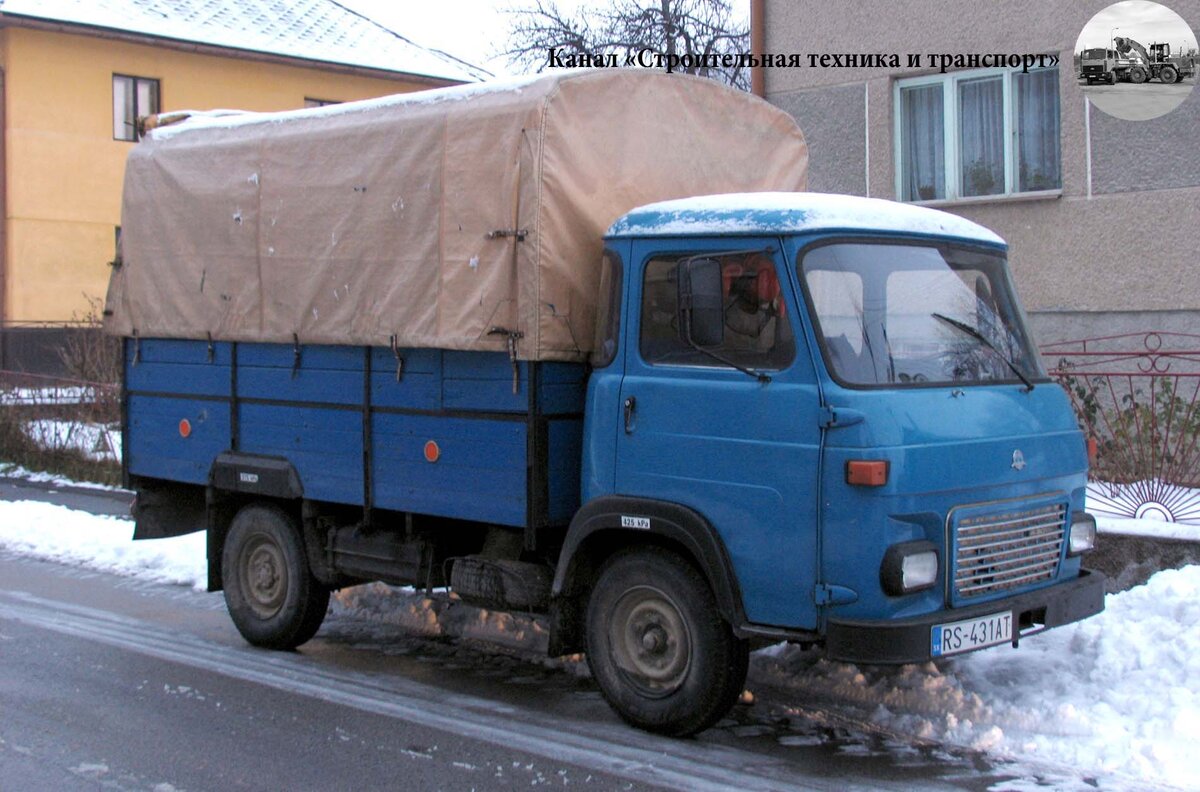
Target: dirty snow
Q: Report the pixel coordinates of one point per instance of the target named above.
(1115, 698)
(9, 470)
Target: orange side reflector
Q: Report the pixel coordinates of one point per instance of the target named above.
(867, 473)
(432, 452)
(185, 428)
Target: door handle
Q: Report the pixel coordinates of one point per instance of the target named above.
(630, 407)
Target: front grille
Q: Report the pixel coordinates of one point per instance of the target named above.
(1008, 548)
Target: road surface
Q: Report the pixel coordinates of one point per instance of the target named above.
(117, 683)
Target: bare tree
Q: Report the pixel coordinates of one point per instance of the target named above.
(698, 32)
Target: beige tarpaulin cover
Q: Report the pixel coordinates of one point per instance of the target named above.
(375, 221)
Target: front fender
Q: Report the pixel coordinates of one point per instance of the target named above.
(631, 519)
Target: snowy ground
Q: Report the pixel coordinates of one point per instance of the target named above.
(1117, 696)
(97, 441)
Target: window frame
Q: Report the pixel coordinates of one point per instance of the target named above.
(949, 83)
(703, 362)
(135, 81)
(818, 331)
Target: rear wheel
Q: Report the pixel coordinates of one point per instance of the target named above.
(270, 591)
(664, 658)
(1168, 75)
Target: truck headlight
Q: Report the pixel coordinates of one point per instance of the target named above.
(909, 567)
(1083, 534)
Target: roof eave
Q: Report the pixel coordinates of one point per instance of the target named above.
(8, 19)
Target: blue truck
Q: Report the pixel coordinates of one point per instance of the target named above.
(802, 417)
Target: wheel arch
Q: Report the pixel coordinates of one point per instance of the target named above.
(609, 524)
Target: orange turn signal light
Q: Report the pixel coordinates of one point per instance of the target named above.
(867, 473)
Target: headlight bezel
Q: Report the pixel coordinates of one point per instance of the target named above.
(909, 557)
(1083, 526)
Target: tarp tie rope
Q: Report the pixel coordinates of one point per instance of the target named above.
(513, 338)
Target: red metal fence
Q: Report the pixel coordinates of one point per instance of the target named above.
(1137, 397)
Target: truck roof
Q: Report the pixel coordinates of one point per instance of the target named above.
(792, 212)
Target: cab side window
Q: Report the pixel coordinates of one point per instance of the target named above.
(757, 333)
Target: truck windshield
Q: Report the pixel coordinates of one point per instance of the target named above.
(1095, 54)
(916, 314)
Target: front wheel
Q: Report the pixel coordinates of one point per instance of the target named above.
(664, 658)
(1138, 75)
(270, 591)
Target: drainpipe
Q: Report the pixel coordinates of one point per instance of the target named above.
(757, 75)
(3, 215)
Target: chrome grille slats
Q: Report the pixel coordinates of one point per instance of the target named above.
(1012, 546)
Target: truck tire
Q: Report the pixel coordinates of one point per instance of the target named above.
(663, 657)
(1168, 75)
(271, 594)
(1138, 75)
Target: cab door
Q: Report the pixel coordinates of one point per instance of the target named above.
(734, 434)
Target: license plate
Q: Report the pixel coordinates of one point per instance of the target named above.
(963, 636)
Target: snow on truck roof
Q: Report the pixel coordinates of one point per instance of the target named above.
(790, 212)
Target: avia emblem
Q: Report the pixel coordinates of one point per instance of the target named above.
(1018, 462)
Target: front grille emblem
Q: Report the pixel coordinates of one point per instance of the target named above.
(1018, 462)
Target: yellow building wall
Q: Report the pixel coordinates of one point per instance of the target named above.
(64, 170)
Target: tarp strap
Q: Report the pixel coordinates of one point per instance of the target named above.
(399, 359)
(295, 355)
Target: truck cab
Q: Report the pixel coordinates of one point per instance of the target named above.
(833, 404)
(1099, 65)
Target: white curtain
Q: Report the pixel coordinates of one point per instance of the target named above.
(924, 165)
(981, 136)
(1038, 131)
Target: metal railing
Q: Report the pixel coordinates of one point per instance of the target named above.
(1137, 396)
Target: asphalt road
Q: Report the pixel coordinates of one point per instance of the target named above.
(115, 683)
(1134, 102)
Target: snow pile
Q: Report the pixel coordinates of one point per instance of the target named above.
(1117, 694)
(442, 615)
(56, 533)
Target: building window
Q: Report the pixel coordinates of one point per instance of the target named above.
(311, 102)
(977, 133)
(133, 98)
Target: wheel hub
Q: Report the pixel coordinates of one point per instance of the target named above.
(650, 641)
(264, 576)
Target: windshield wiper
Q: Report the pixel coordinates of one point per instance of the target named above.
(981, 338)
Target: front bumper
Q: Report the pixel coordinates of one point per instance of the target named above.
(909, 640)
